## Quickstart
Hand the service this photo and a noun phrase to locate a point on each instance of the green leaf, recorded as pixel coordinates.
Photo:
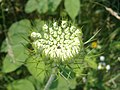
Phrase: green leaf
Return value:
(114, 34)
(35, 82)
(4, 46)
(54, 84)
(17, 53)
(62, 84)
(36, 67)
(72, 7)
(22, 84)
(65, 84)
(43, 6)
(115, 46)
(20, 27)
(38, 25)
(31, 6)
(53, 4)
(91, 61)
(15, 59)
(78, 69)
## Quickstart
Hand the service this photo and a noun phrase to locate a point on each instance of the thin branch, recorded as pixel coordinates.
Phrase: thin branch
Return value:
(113, 13)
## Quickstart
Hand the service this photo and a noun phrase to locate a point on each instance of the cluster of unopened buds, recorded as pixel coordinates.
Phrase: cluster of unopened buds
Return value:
(102, 64)
(58, 41)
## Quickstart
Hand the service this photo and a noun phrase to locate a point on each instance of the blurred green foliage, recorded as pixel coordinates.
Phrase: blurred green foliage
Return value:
(20, 71)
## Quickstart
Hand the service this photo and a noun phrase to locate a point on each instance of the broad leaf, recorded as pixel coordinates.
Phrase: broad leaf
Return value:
(35, 82)
(15, 59)
(15, 42)
(43, 6)
(36, 67)
(31, 6)
(20, 27)
(21, 85)
(72, 7)
(53, 4)
(65, 84)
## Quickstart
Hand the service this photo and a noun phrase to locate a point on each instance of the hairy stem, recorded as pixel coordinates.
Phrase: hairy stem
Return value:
(50, 80)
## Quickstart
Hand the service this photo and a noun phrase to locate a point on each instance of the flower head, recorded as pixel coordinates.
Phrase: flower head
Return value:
(59, 42)
(108, 67)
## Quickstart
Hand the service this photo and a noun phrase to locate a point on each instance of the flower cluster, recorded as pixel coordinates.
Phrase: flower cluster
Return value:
(62, 41)
(102, 64)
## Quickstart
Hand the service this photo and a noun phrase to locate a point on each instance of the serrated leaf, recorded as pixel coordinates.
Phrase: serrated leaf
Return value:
(22, 84)
(72, 7)
(31, 6)
(53, 4)
(17, 53)
(36, 67)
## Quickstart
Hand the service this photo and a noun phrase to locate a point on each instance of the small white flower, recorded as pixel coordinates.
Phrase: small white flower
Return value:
(55, 25)
(38, 35)
(6, 9)
(58, 38)
(84, 79)
(64, 24)
(102, 58)
(103, 64)
(67, 36)
(33, 34)
(45, 27)
(55, 34)
(72, 29)
(100, 66)
(46, 36)
(118, 58)
(77, 32)
(55, 42)
(60, 30)
(51, 30)
(67, 30)
(0, 0)
(107, 67)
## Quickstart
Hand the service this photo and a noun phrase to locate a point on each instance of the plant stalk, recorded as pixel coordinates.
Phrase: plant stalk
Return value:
(51, 79)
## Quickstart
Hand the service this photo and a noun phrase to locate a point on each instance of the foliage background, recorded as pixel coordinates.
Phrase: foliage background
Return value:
(16, 19)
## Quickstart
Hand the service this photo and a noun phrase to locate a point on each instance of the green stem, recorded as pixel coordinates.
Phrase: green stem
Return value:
(51, 79)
